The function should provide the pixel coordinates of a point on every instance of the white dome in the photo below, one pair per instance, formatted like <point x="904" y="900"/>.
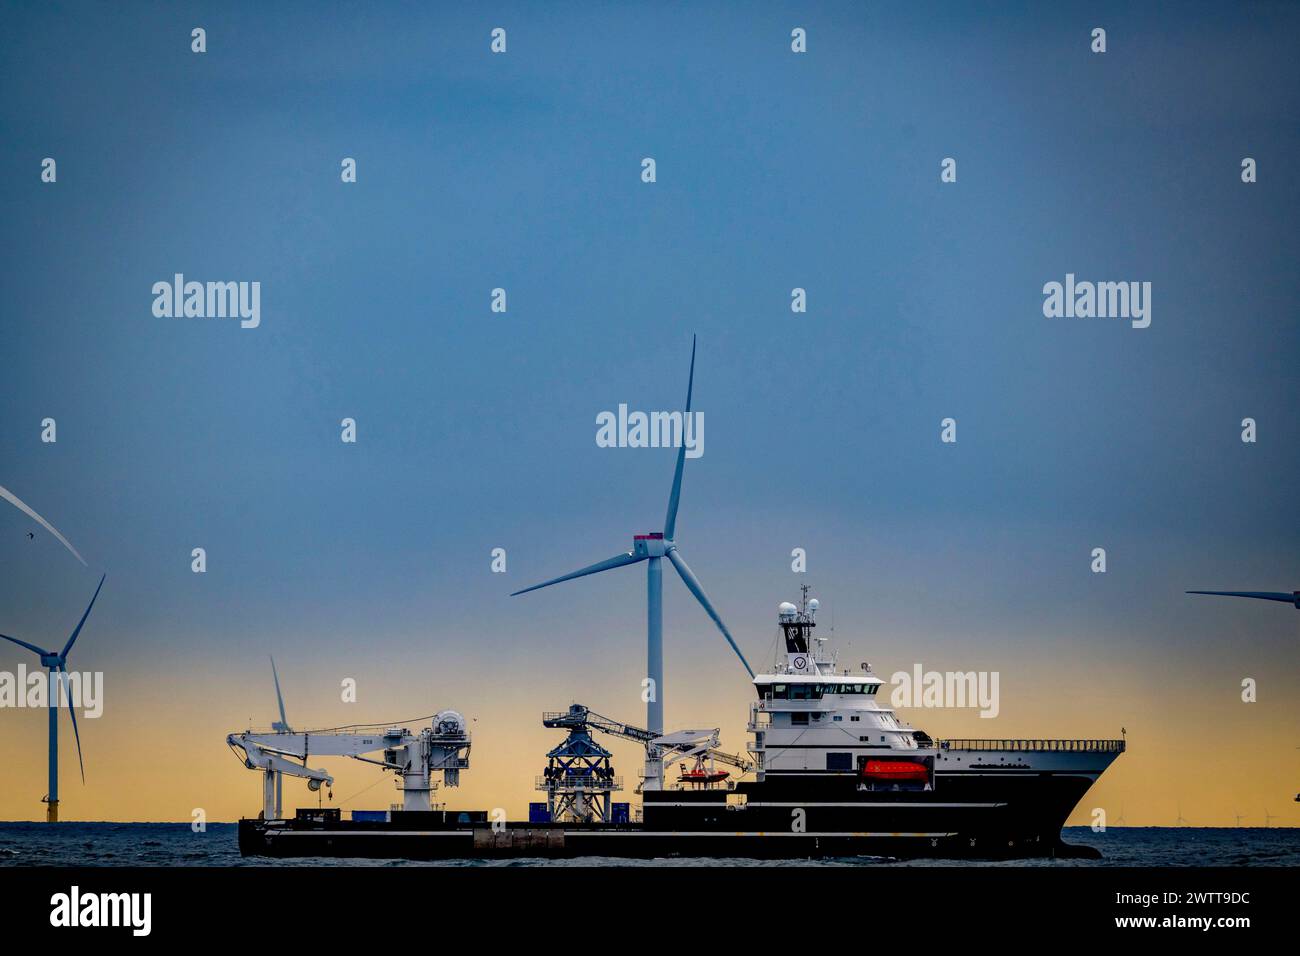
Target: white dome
<point x="814" y="604"/>
<point x="449" y="722"/>
<point x="786" y="609"/>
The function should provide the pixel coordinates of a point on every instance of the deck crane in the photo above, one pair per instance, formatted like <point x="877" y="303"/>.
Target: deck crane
<point x="413" y="756"/>
<point x="662" y="750"/>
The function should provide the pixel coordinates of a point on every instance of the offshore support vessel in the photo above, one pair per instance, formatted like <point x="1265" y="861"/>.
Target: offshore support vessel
<point x="832" y="772"/>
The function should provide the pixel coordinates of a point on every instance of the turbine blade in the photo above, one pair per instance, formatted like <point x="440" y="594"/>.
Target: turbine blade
<point x="14" y="500"/>
<point x="689" y="579"/>
<point x="675" y="497"/>
<point x="283" y="719"/>
<point x="30" y="647"/>
<point x="71" y="640"/>
<point x="75" y="732"/>
<point x="1259" y="595"/>
<point x="618" y="561"/>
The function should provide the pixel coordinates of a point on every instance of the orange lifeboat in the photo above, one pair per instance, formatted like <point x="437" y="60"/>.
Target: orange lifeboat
<point x="895" y="771"/>
<point x="704" y="776"/>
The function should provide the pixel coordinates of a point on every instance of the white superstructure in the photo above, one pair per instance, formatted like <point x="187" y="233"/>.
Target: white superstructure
<point x="811" y="717"/>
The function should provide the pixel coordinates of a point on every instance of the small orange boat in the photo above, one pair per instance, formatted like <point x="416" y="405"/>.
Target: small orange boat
<point x="704" y="776"/>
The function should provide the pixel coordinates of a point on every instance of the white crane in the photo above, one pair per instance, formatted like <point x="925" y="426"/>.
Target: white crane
<point x="413" y="756"/>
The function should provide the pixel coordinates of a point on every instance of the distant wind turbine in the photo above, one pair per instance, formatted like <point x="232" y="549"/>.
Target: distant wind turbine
<point x="280" y="726"/>
<point x="22" y="506"/>
<point x="652" y="548"/>
<point x="57" y="662"/>
<point x="1292" y="598"/>
<point x="1181" y="821"/>
<point x="1240" y="817"/>
<point x="1268" y="818"/>
<point x="1119" y="821"/>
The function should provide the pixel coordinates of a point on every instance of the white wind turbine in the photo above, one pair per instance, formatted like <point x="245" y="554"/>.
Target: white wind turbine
<point x="652" y="548"/>
<point x="57" y="663"/>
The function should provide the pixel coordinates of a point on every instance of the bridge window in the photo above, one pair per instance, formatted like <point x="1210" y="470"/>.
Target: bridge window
<point x="805" y="691"/>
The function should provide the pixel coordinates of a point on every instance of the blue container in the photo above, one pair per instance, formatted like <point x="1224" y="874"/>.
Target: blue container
<point x="369" y="816"/>
<point x="618" y="813"/>
<point x="537" y="813"/>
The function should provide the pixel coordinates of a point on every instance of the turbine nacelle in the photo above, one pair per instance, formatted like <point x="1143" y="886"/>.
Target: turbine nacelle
<point x="651" y="545"/>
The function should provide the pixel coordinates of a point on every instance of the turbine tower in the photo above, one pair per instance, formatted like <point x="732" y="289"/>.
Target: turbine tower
<point x="57" y="663"/>
<point x="1287" y="598"/>
<point x="653" y="548"/>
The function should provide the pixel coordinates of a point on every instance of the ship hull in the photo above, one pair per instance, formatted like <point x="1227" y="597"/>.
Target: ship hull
<point x="520" y="841"/>
<point x="979" y="811"/>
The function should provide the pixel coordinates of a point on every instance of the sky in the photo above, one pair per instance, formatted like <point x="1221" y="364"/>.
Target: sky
<point x="476" y="429"/>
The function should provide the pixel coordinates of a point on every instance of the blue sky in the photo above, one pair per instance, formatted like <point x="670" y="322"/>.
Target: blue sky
<point x="476" y="430"/>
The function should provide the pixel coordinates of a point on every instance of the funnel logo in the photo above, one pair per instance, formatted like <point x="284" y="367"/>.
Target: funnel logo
<point x="651" y="430"/>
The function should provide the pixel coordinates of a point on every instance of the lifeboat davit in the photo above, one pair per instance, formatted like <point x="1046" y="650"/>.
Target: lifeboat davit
<point x="895" y="771"/>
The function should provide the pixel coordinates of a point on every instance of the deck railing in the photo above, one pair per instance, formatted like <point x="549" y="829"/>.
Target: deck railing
<point x="1087" y="746"/>
<point x="590" y="783"/>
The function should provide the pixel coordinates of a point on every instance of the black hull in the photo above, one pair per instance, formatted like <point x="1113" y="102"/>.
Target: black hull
<point x="1008" y="814"/>
<point x="520" y="841"/>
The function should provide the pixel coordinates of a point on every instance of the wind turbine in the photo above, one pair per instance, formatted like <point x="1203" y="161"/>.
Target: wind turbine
<point x="1291" y="598"/>
<point x="57" y="662"/>
<point x="653" y="548"/>
<point x="1268" y="818"/>
<point x="280" y="726"/>
<point x="1119" y="822"/>
<point x="1240" y="817"/>
<point x="1181" y="821"/>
